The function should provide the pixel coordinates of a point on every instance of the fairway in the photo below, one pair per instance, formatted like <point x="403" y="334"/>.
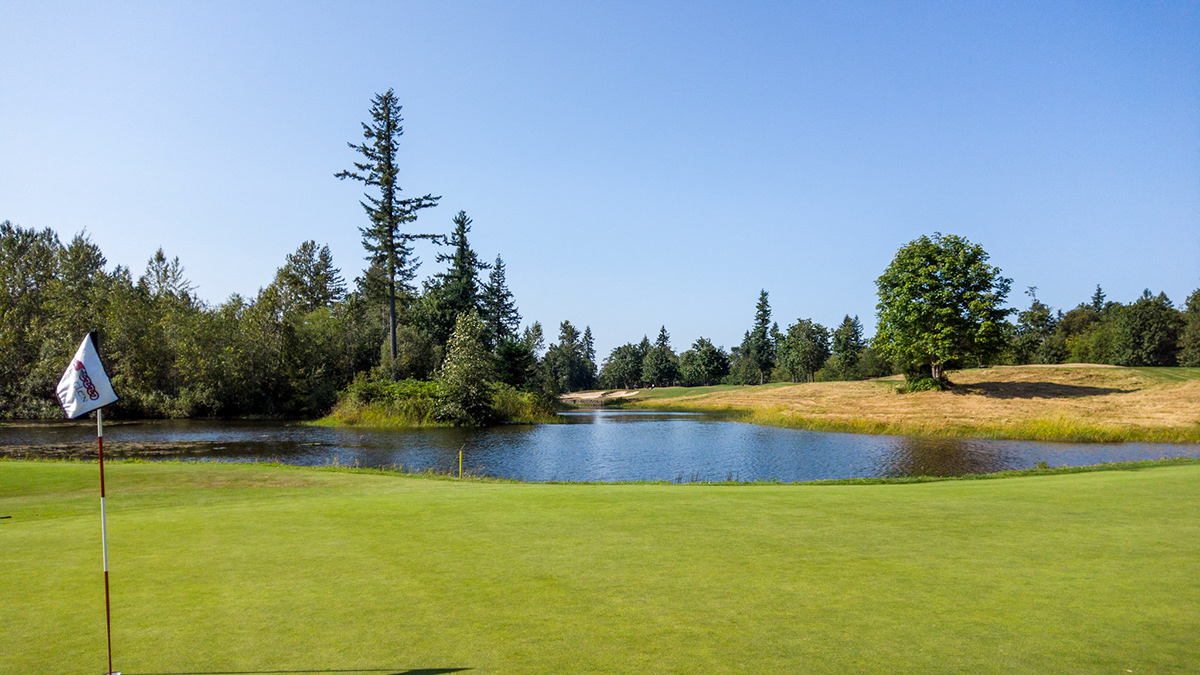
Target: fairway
<point x="238" y="568"/>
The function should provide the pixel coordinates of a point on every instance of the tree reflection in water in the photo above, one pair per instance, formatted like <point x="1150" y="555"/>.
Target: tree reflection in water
<point x="943" y="457"/>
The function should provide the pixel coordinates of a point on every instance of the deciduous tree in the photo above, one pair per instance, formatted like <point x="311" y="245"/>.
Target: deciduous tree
<point x="940" y="300"/>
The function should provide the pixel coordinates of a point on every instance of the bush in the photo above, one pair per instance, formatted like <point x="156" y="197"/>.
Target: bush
<point x="509" y="404"/>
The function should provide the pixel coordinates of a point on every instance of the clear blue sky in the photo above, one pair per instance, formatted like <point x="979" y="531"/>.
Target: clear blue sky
<point x="635" y="163"/>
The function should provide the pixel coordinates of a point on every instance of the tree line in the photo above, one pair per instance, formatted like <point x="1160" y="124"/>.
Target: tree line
<point x="453" y="345"/>
<point x="302" y="339"/>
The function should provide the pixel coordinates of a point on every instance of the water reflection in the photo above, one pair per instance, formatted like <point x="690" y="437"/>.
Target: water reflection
<point x="945" y="457"/>
<point x="600" y="445"/>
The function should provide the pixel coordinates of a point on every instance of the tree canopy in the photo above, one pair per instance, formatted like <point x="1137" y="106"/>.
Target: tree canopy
<point x="941" y="302"/>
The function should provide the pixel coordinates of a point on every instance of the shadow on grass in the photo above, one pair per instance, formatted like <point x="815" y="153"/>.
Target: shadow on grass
<point x="390" y="671"/>
<point x="1034" y="390"/>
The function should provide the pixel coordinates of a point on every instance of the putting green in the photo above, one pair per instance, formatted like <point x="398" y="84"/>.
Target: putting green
<point x="227" y="568"/>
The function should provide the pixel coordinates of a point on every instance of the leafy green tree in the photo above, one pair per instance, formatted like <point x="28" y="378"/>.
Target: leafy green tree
<point x="660" y="366"/>
<point x="1148" y="332"/>
<point x="940" y="301"/>
<point x="848" y="345"/>
<point x="497" y="308"/>
<point x="624" y="366"/>
<point x="466" y="374"/>
<point x="387" y="246"/>
<point x="1035" y="340"/>
<point x="1189" y="339"/>
<point x="804" y="350"/>
<point x="704" y="364"/>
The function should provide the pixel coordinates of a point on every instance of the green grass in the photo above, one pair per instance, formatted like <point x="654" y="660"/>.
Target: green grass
<point x="1169" y="374"/>
<point x="251" y="568"/>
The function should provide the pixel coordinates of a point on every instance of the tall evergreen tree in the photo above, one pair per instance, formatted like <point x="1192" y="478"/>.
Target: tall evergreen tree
<point x="454" y="291"/>
<point x="497" y="309"/>
<point x="848" y="345"/>
<point x="566" y="366"/>
<point x="660" y="367"/>
<point x="758" y="349"/>
<point x="589" y="344"/>
<point x="386" y="245"/>
<point x="309" y="280"/>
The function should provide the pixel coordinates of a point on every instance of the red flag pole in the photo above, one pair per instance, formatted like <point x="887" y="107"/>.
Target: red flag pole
<point x="104" y="533"/>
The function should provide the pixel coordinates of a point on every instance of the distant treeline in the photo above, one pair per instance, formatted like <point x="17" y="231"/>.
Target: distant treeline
<point x="305" y="337"/>
<point x="1149" y="331"/>
<point x="805" y="352"/>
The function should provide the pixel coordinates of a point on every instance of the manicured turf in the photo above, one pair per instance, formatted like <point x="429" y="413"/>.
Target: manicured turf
<point x="227" y="568"/>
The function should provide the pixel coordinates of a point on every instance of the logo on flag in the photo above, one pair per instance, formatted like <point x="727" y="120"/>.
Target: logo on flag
<point x="85" y="386"/>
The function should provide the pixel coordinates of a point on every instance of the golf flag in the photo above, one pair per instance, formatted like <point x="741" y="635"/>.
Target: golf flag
<point x="85" y="386"/>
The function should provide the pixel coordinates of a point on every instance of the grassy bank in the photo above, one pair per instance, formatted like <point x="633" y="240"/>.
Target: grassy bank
<point x="369" y="402"/>
<point x="1045" y="403"/>
<point x="227" y="568"/>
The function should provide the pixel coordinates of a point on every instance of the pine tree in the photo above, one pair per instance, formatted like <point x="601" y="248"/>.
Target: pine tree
<point x="309" y="280"/>
<point x="848" y="344"/>
<point x="456" y="290"/>
<point x="497" y="309"/>
<point x="758" y="349"/>
<point x="386" y="245"/>
<point x="660" y="367"/>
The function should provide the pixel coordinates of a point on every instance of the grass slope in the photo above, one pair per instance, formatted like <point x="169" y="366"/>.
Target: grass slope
<point x="234" y="568"/>
<point x="1045" y="403"/>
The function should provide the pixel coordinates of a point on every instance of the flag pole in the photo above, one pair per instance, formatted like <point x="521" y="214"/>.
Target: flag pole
<point x="104" y="533"/>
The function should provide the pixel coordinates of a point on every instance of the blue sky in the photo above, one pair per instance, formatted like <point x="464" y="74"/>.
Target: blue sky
<point x="635" y="163"/>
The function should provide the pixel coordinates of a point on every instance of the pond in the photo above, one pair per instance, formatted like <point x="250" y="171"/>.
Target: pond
<point x="599" y="445"/>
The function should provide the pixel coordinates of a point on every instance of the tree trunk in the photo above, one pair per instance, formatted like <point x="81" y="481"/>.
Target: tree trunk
<point x="935" y="369"/>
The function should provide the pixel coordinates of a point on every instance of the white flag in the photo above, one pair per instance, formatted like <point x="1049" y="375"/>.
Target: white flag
<point x="85" y="386"/>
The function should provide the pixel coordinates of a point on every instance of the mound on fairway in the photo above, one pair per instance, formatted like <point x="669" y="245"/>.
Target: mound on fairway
<point x="233" y="568"/>
<point x="1070" y="402"/>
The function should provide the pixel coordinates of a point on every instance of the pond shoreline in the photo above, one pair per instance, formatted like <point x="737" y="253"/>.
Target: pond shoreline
<point x="1137" y="465"/>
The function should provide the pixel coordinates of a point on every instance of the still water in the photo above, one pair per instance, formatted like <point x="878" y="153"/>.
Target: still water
<point x="605" y="445"/>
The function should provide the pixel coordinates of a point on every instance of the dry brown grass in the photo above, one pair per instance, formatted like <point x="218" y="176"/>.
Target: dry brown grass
<point x="1070" y="403"/>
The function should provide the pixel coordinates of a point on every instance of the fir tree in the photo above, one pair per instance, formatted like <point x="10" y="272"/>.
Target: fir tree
<point x="456" y="290"/>
<point x="1098" y="299"/>
<point x="848" y="345"/>
<point x="497" y="308"/>
<point x="386" y="245"/>
<point x="758" y="349"/>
